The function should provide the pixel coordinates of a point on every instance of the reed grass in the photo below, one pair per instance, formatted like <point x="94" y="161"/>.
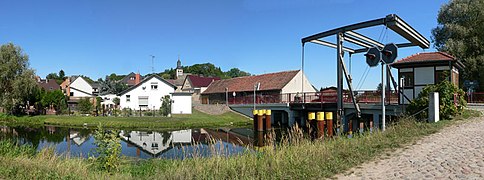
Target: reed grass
<point x="295" y="157"/>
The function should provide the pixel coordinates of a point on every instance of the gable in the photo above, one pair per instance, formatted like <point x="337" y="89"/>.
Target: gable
<point x="81" y="84"/>
<point x="147" y="82"/>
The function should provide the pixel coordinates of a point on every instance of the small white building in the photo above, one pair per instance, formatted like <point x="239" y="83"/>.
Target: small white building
<point x="422" y="69"/>
<point x="146" y="95"/>
<point x="181" y="103"/>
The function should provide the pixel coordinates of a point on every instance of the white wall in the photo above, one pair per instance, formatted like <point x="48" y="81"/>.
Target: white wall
<point x="154" y="96"/>
<point x="203" y="89"/>
<point x="108" y="99"/>
<point x="81" y="84"/>
<point x="424" y="75"/>
<point x="77" y="93"/>
<point x="295" y="84"/>
<point x="182" y="103"/>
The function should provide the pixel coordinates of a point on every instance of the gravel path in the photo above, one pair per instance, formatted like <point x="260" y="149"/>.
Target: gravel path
<point x="456" y="152"/>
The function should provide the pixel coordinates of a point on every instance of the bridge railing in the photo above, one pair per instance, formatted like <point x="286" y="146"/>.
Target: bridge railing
<point x="475" y="97"/>
<point x="367" y="97"/>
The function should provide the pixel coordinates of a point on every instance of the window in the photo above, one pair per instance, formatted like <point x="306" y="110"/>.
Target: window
<point x="143" y="101"/>
<point x="131" y="78"/>
<point x="128" y="98"/>
<point x="154" y="85"/>
<point x="71" y="94"/>
<point x="441" y="75"/>
<point x="407" y="79"/>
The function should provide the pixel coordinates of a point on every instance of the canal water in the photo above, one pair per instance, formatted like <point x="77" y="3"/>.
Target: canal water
<point x="178" y="144"/>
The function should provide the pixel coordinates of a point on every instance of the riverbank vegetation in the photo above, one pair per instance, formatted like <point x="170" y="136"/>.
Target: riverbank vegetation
<point x="298" y="158"/>
<point x="195" y="120"/>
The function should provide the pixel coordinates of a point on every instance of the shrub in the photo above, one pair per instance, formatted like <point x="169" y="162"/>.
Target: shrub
<point x="85" y="105"/>
<point x="148" y="113"/>
<point x="108" y="149"/>
<point x="446" y="91"/>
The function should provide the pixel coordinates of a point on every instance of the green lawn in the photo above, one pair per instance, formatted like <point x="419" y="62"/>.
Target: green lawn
<point x="195" y="120"/>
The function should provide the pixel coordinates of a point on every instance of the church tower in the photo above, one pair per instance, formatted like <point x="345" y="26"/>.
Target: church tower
<point x="179" y="69"/>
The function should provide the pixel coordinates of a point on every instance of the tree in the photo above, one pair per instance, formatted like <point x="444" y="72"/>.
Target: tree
<point x="110" y="86"/>
<point x="236" y="72"/>
<point x="165" y="108"/>
<point x="85" y="105"/>
<point x="379" y="87"/>
<point x="459" y="32"/>
<point x="17" y="82"/>
<point x="52" y="76"/>
<point x="116" y="101"/>
<point x="62" y="74"/>
<point x="55" y="98"/>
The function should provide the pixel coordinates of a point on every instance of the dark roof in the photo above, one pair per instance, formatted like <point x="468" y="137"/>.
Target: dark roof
<point x="424" y="58"/>
<point x="144" y="80"/>
<point x="128" y="81"/>
<point x="271" y="81"/>
<point x="198" y="81"/>
<point x="49" y="85"/>
<point x="95" y="84"/>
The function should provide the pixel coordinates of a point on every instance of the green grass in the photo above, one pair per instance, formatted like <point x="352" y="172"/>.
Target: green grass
<point x="195" y="120"/>
<point x="299" y="158"/>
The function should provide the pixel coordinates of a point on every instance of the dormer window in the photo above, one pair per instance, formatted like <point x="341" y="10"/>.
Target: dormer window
<point x="131" y="78"/>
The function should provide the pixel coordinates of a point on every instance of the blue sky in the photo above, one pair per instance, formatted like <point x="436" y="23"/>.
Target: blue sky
<point x="97" y="38"/>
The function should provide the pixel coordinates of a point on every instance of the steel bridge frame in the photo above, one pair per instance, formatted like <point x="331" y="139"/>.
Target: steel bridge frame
<point x="348" y="34"/>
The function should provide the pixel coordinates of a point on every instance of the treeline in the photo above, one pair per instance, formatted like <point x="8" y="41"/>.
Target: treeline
<point x="206" y="70"/>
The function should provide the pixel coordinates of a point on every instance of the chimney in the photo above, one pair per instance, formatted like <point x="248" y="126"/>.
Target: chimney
<point x="68" y="87"/>
<point x="137" y="79"/>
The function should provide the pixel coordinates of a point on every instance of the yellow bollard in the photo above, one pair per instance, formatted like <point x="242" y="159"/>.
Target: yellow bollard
<point x="320" y="119"/>
<point x="260" y="122"/>
<point x="268" y="120"/>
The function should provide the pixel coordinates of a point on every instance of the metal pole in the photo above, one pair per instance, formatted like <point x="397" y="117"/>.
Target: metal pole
<point x="339" y="77"/>
<point x="254" y="95"/>
<point x="227" y="96"/>
<point x="383" y="96"/>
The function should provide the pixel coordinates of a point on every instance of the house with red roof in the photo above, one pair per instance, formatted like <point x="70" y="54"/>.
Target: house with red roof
<point x="276" y="84"/>
<point x="422" y="69"/>
<point x="197" y="85"/>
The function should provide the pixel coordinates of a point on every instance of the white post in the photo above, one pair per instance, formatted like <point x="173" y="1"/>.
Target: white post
<point x="434" y="110"/>
<point x="382" y="97"/>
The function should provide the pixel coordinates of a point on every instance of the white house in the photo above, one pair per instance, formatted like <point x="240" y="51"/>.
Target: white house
<point x="148" y="94"/>
<point x="77" y="87"/>
<point x="181" y="103"/>
<point x="107" y="100"/>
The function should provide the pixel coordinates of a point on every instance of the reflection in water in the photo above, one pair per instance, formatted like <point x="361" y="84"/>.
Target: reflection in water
<point x="142" y="144"/>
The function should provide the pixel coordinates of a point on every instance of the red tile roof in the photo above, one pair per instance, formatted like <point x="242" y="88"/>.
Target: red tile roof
<point x="426" y="57"/>
<point x="271" y="81"/>
<point x="198" y="81"/>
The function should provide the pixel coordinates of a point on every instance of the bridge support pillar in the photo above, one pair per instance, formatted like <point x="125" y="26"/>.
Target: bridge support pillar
<point x="376" y="121"/>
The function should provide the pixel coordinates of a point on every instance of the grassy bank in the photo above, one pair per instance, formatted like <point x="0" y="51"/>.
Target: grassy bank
<point x="195" y="120"/>
<point x="299" y="159"/>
